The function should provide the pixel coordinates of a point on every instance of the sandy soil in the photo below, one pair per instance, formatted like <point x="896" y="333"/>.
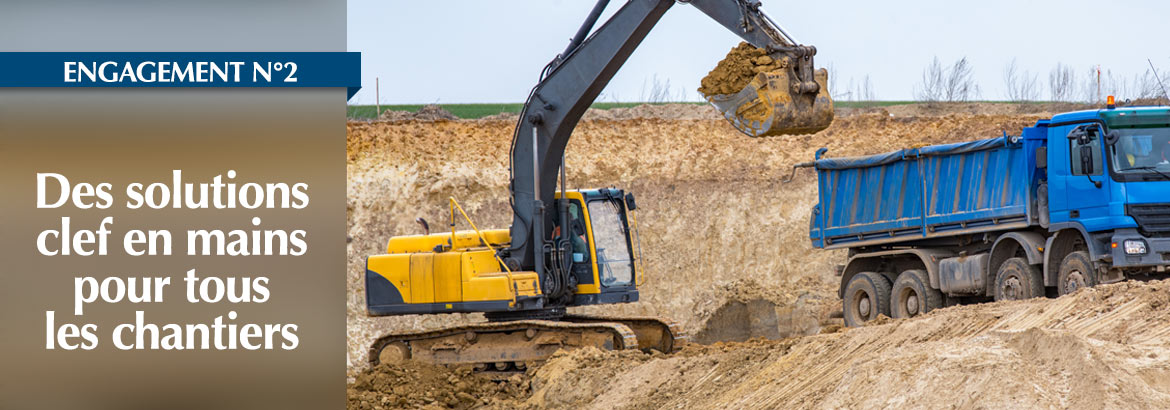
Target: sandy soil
<point x="418" y="385"/>
<point x="727" y="256"/>
<point x="429" y="112"/>
<point x="1099" y="348"/>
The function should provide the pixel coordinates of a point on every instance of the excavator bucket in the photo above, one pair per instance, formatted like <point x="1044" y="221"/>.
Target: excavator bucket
<point x="775" y="101"/>
<point x="767" y="106"/>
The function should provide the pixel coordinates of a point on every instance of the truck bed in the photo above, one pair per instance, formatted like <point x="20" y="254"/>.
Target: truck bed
<point x="967" y="187"/>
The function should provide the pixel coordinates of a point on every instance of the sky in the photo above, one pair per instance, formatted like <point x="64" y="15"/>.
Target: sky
<point x="476" y="51"/>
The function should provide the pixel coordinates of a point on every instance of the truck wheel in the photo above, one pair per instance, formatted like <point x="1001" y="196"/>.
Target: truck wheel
<point x="1017" y="280"/>
<point x="1076" y="271"/>
<point x="866" y="297"/>
<point x="913" y="296"/>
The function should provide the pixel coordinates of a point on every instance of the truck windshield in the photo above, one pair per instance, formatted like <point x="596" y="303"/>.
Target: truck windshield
<point x="614" y="264"/>
<point x="1142" y="151"/>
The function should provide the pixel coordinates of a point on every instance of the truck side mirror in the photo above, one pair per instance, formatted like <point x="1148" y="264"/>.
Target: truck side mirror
<point x="1042" y="157"/>
<point x="1084" y="134"/>
<point x="1087" y="159"/>
<point x="630" y="204"/>
<point x="1111" y="137"/>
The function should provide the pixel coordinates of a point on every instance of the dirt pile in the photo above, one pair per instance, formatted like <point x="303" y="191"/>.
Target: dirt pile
<point x="644" y="111"/>
<point x="504" y="116"/>
<point x="717" y="225"/>
<point x="1105" y="347"/>
<point x="418" y="385"/>
<point x="429" y="112"/>
<point x="1160" y="101"/>
<point x="658" y="111"/>
<point x="968" y="108"/>
<point x="735" y="71"/>
<point x="688" y="111"/>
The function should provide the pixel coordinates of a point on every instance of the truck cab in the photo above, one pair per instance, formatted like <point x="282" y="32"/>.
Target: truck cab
<point x="1109" y="177"/>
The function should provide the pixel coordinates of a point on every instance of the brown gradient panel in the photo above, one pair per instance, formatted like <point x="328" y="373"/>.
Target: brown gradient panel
<point x="125" y="136"/>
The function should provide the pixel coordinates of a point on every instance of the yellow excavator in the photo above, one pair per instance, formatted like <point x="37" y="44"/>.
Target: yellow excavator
<point x="570" y="247"/>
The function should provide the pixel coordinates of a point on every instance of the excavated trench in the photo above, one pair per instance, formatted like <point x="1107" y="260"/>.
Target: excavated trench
<point x="739" y="321"/>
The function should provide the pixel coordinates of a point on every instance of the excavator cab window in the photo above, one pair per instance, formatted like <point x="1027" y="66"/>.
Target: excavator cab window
<point x="578" y="241"/>
<point x="615" y="265"/>
<point x="577" y="232"/>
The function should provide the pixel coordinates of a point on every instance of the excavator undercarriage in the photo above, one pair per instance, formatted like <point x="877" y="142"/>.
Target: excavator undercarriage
<point x="514" y="345"/>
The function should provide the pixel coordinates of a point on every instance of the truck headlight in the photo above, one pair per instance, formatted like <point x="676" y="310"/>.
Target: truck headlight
<point x="1135" y="247"/>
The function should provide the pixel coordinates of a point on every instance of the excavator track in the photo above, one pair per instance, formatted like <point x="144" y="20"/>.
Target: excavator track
<point x="657" y="333"/>
<point x="500" y="346"/>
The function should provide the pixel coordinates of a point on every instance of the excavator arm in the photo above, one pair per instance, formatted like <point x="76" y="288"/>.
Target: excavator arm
<point x="573" y="80"/>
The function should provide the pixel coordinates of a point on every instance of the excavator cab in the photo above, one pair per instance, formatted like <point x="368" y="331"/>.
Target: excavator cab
<point x="599" y="245"/>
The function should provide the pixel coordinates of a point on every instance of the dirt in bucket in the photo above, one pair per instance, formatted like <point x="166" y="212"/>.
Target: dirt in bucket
<point x="736" y="70"/>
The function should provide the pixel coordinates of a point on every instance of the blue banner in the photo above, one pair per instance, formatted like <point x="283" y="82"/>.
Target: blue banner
<point x="177" y="69"/>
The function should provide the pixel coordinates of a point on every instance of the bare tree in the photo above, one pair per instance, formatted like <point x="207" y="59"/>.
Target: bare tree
<point x="1061" y="82"/>
<point x="1117" y="86"/>
<point x="1151" y="84"/>
<point x="1110" y="84"/>
<point x="1103" y="82"/>
<point x="931" y="89"/>
<point x="834" y="92"/>
<point x="1090" y="88"/>
<point x="956" y="83"/>
<point x="1021" y="86"/>
<point x="661" y="91"/>
<point x="960" y="82"/>
<point x="865" y="90"/>
<point x="1011" y="80"/>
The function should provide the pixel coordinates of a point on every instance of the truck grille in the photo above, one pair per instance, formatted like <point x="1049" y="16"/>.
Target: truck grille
<point x="1152" y="219"/>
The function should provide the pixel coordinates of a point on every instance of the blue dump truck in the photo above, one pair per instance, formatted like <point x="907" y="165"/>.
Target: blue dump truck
<point x="1073" y="201"/>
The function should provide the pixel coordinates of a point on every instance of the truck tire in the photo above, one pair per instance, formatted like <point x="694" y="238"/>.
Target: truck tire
<point x="913" y="296"/>
<point x="866" y="296"/>
<point x="1076" y="272"/>
<point x="1017" y="280"/>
